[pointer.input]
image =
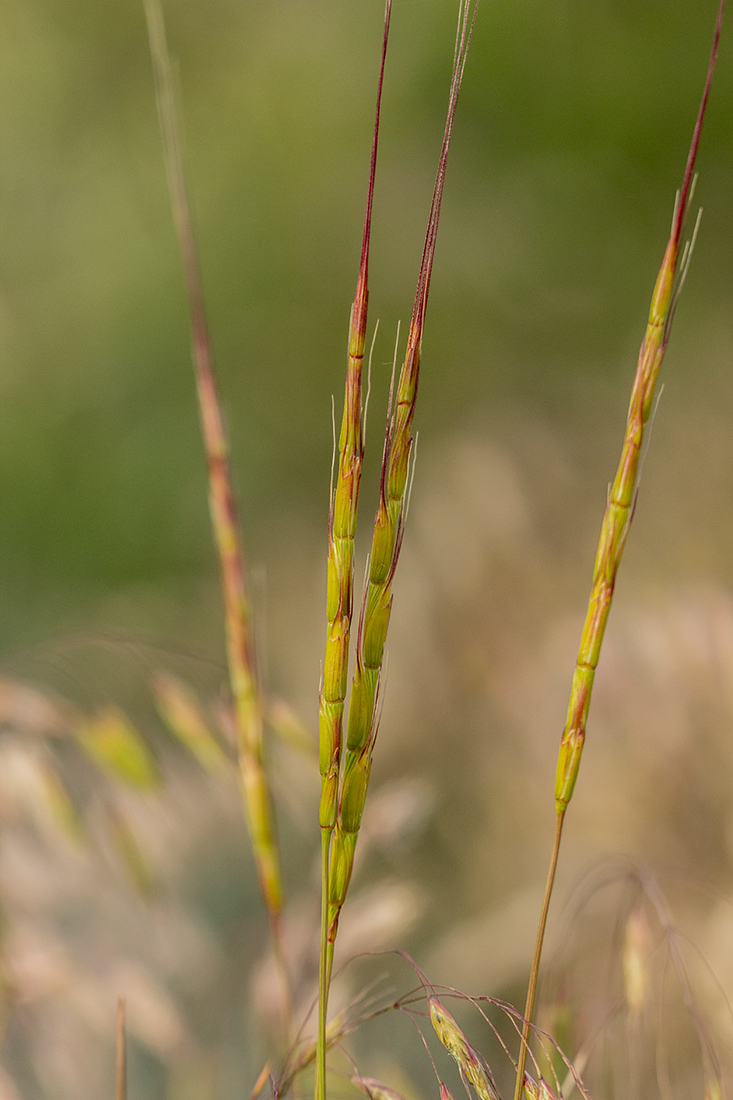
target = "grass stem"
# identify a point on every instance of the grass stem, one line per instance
(324, 975)
(537, 956)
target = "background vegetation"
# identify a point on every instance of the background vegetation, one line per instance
(570, 141)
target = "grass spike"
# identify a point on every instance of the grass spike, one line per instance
(615, 527)
(344, 506)
(389, 525)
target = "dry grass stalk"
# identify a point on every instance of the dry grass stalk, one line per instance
(617, 521)
(237, 607)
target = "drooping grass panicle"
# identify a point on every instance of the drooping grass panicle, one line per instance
(237, 606)
(616, 523)
(388, 530)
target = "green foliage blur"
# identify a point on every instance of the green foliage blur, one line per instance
(571, 139)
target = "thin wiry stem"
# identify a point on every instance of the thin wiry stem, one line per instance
(535, 969)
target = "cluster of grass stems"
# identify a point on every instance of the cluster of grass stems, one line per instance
(349, 718)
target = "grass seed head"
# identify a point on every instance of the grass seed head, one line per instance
(460, 1050)
(374, 1089)
(538, 1090)
(635, 961)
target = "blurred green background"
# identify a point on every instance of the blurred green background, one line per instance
(571, 139)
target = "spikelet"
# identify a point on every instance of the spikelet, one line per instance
(538, 1090)
(374, 1089)
(111, 740)
(180, 710)
(460, 1050)
(635, 961)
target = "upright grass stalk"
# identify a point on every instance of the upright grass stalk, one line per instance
(343, 513)
(345, 786)
(615, 527)
(237, 607)
(388, 530)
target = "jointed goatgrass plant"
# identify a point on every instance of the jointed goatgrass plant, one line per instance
(347, 740)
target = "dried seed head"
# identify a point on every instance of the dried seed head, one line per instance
(460, 1050)
(374, 1089)
(635, 960)
(445, 1092)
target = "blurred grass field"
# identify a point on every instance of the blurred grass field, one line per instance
(570, 142)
